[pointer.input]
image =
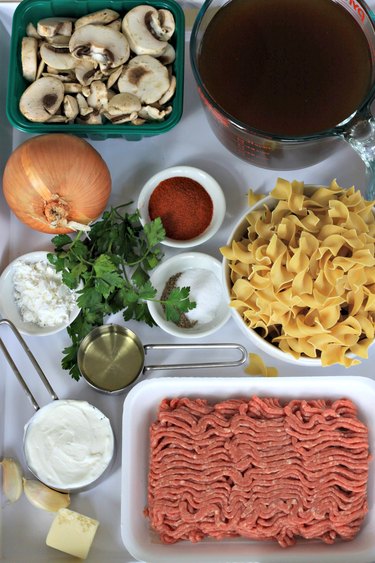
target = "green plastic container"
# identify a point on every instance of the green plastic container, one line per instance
(34, 10)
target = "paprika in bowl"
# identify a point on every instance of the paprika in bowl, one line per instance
(190, 203)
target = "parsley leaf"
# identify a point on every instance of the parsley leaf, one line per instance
(109, 269)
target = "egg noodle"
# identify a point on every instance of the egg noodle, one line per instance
(303, 275)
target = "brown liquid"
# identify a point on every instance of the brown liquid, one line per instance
(287, 67)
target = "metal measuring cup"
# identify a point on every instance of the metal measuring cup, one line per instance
(40, 411)
(111, 358)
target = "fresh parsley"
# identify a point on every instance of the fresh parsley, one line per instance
(110, 271)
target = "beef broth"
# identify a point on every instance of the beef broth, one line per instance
(290, 67)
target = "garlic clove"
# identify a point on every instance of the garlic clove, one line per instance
(43, 497)
(12, 479)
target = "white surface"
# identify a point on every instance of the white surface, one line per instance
(181, 263)
(209, 184)
(23, 528)
(140, 411)
(8, 305)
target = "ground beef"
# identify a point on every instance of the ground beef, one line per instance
(257, 469)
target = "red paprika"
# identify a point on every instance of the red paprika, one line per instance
(183, 205)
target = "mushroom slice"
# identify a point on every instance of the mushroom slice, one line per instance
(116, 24)
(118, 119)
(29, 58)
(72, 88)
(114, 76)
(59, 58)
(57, 119)
(48, 27)
(146, 78)
(31, 31)
(42, 99)
(136, 27)
(98, 98)
(86, 72)
(40, 70)
(100, 17)
(59, 41)
(94, 118)
(71, 108)
(121, 104)
(151, 113)
(100, 43)
(86, 91)
(162, 24)
(168, 56)
(138, 121)
(84, 108)
(169, 93)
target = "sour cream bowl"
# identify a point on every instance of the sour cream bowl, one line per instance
(69, 445)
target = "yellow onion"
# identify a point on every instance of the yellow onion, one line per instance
(56, 183)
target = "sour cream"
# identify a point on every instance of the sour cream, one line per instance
(68, 444)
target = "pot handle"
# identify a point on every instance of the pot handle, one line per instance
(219, 346)
(360, 134)
(32, 359)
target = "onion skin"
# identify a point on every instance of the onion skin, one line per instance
(56, 173)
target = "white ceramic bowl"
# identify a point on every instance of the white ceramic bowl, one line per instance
(8, 306)
(257, 340)
(181, 263)
(206, 181)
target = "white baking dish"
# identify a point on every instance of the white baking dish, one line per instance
(140, 409)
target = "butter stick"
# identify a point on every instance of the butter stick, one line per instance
(72, 533)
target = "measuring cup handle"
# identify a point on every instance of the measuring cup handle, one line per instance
(32, 359)
(360, 134)
(219, 346)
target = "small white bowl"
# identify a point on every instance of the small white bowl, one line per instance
(271, 349)
(206, 181)
(8, 306)
(181, 263)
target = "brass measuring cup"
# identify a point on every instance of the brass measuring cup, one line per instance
(44, 411)
(111, 358)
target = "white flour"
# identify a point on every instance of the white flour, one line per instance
(40, 294)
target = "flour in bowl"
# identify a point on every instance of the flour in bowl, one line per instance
(41, 296)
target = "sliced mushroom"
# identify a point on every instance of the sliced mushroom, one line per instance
(59, 41)
(146, 78)
(98, 98)
(59, 58)
(169, 93)
(31, 31)
(118, 119)
(136, 27)
(100, 43)
(60, 75)
(101, 17)
(138, 121)
(162, 24)
(86, 72)
(168, 56)
(86, 91)
(122, 104)
(48, 27)
(57, 119)
(72, 88)
(94, 118)
(84, 108)
(151, 113)
(114, 76)
(29, 58)
(71, 108)
(40, 70)
(42, 99)
(116, 24)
